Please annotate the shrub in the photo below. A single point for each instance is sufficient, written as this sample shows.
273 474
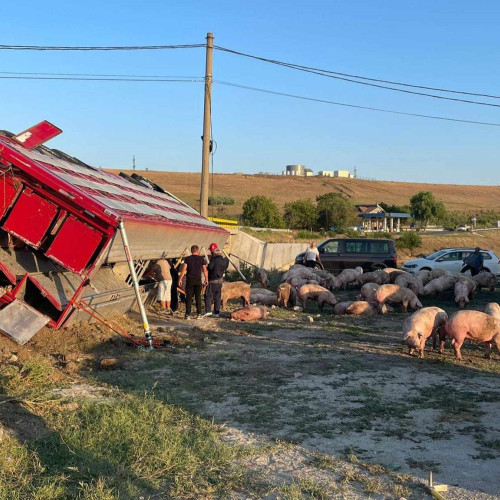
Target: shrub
334 209
409 240
380 235
260 211
424 207
220 200
309 235
301 214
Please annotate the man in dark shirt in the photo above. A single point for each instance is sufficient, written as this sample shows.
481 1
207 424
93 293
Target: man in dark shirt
194 267
216 269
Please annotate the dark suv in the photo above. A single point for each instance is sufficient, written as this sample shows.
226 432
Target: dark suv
371 254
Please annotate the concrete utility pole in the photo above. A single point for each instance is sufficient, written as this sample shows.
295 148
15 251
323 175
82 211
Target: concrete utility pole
207 118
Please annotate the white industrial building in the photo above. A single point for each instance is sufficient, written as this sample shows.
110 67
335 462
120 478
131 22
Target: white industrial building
342 173
325 173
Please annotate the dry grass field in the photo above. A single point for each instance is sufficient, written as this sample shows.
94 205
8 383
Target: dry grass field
284 189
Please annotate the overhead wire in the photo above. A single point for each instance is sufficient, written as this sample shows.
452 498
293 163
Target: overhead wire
99 48
102 79
335 75
181 79
93 74
323 72
369 108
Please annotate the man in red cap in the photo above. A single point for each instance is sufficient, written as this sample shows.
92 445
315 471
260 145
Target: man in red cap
216 269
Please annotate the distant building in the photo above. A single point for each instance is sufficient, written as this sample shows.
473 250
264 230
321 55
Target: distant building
342 173
374 208
375 218
295 170
308 172
326 173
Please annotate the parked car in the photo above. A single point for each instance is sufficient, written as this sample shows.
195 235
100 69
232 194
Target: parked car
343 253
463 227
451 260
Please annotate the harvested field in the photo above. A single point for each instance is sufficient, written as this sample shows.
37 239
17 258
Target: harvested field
283 189
333 408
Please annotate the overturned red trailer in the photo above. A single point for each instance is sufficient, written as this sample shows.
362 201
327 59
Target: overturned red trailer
59 234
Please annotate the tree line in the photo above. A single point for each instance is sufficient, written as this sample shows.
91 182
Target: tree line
334 211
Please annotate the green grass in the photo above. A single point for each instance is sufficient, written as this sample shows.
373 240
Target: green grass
124 446
303 489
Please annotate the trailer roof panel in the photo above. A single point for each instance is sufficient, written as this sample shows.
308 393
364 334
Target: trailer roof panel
125 198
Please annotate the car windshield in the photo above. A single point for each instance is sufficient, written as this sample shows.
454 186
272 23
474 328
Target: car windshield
435 255
322 243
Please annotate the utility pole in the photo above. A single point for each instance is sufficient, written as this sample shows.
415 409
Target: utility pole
206 137
133 162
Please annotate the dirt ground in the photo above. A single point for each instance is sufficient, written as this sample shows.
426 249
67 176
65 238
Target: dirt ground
324 396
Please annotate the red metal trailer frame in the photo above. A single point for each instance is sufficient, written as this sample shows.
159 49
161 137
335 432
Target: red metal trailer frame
59 238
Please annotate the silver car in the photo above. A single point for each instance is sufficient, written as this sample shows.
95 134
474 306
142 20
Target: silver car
451 260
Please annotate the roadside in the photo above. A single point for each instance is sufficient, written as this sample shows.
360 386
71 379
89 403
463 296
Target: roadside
333 408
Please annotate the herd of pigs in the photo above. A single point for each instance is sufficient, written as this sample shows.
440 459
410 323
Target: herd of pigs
380 291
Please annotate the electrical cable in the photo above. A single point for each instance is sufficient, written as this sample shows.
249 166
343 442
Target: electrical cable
100 48
101 79
382 110
331 74
323 72
96 74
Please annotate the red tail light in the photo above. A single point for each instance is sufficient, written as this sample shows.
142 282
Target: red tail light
396 261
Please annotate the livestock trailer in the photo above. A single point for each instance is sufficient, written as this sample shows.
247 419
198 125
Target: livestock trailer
60 238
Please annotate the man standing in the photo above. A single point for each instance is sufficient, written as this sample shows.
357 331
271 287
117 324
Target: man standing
161 273
312 256
216 269
194 267
474 262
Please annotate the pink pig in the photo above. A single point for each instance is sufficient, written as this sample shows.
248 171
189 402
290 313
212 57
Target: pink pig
473 325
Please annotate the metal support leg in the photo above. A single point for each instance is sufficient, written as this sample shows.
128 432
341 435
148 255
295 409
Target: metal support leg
135 282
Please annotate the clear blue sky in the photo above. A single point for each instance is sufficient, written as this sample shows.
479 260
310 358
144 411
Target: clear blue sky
451 44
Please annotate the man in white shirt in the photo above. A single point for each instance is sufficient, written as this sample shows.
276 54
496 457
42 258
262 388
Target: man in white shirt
311 256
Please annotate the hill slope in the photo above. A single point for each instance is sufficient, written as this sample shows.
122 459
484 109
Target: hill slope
283 189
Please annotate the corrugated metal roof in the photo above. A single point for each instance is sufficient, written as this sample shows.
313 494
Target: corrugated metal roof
127 199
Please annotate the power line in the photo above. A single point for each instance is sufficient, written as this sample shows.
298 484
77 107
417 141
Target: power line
332 74
95 74
99 48
104 79
381 110
224 49
180 79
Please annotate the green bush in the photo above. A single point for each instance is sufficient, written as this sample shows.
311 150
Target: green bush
259 211
380 235
350 233
309 235
220 200
301 214
247 270
409 240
